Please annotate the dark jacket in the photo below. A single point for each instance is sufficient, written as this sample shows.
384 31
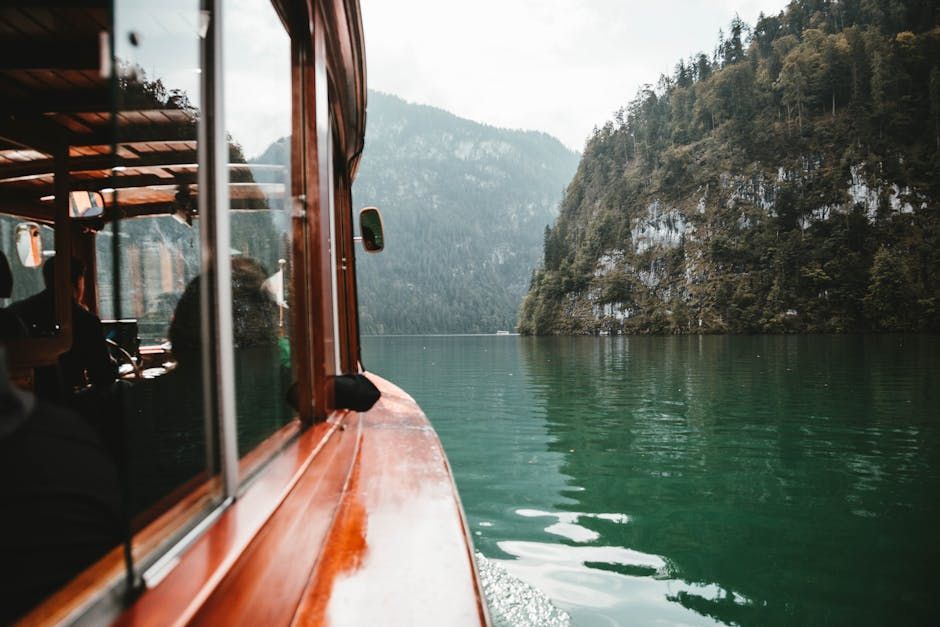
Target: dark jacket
89 352
61 500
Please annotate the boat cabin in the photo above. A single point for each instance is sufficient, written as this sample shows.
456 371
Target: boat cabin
193 436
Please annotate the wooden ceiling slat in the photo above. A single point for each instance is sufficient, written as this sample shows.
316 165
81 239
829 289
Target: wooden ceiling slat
26 22
41 181
87 151
91 174
127 184
23 155
94 118
44 18
185 160
91 77
163 173
166 146
25 78
73 124
47 78
64 78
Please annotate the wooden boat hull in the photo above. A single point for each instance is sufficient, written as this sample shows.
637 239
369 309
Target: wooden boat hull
356 522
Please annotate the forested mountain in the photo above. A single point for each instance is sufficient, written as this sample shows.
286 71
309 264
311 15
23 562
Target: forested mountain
464 206
790 181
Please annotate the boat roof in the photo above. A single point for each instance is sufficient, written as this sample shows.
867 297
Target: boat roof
128 139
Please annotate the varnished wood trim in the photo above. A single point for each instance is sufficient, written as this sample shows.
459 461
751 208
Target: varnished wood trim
317 165
176 513
265 585
301 341
399 551
255 459
345 548
109 570
179 597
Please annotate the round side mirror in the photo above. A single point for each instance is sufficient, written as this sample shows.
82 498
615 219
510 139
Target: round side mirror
372 230
86 204
28 244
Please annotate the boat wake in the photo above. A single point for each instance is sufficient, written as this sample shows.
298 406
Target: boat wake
514 603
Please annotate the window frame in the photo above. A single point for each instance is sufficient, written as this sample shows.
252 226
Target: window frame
324 323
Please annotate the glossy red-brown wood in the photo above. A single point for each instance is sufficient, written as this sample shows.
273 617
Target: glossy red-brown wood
300 281
203 577
264 585
345 53
152 529
318 220
368 532
351 522
399 552
70 600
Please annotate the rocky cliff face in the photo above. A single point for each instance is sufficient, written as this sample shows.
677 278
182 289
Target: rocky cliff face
464 206
709 206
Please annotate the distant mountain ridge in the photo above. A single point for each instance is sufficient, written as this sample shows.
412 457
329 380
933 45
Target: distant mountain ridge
788 182
465 206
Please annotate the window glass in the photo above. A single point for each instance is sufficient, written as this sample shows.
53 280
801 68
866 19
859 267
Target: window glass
150 262
159 257
59 485
258 119
116 434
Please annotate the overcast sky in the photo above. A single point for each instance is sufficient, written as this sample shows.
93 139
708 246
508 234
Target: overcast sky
559 66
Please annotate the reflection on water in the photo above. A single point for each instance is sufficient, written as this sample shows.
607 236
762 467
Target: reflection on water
748 480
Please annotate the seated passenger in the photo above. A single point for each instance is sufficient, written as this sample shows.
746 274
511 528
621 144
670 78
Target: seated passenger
261 372
167 433
60 495
88 361
11 327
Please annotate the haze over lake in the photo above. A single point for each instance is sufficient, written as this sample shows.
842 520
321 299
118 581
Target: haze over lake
740 480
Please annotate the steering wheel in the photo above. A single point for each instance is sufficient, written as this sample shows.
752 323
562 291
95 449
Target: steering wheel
123 357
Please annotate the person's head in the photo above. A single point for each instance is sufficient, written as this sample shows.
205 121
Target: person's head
77 276
254 312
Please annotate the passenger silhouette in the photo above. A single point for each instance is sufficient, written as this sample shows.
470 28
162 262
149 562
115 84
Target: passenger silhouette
11 327
60 495
167 429
88 361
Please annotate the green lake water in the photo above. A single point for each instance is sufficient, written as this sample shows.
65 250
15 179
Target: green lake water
768 480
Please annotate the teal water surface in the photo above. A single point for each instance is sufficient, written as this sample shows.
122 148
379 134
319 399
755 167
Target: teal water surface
769 480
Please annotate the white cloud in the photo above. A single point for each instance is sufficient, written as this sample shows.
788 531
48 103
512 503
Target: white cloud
559 66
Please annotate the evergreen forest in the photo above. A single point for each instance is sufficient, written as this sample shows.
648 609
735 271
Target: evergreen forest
789 181
464 208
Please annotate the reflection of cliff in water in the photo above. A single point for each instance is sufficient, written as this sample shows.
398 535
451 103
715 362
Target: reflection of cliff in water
794 477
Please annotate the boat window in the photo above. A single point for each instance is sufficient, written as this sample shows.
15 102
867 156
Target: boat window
158 257
258 107
27 242
150 264
58 482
